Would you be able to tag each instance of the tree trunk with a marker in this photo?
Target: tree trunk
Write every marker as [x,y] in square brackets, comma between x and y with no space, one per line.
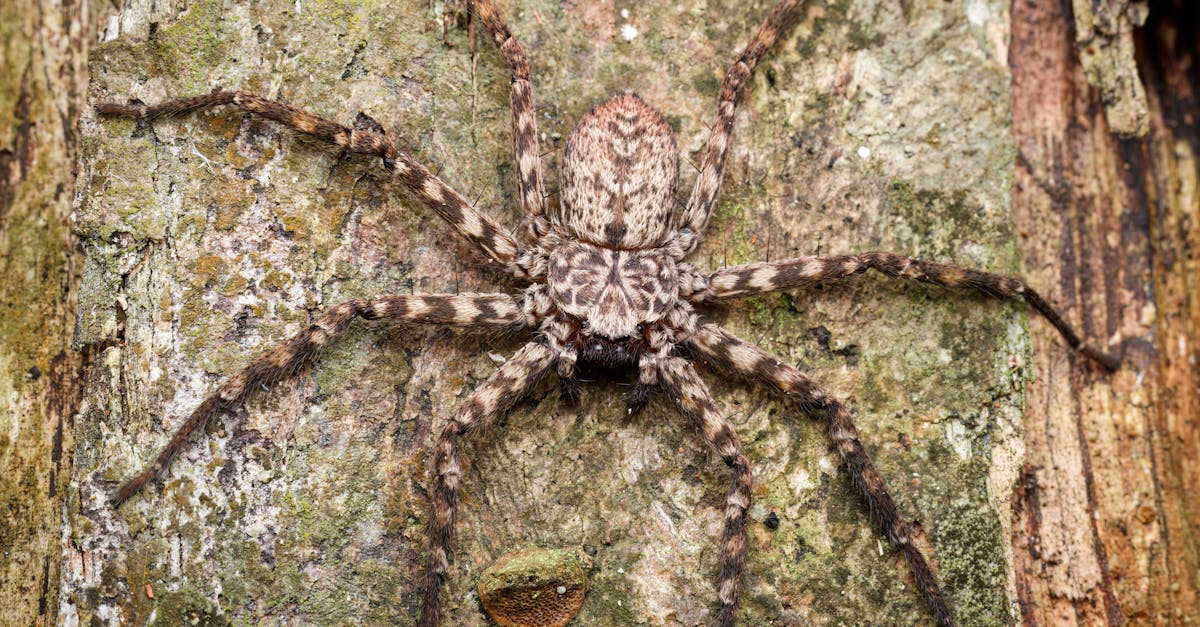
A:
[875,125]
[42,80]
[1106,518]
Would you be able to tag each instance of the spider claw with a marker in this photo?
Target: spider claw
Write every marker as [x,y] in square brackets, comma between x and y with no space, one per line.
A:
[638,399]
[569,390]
[1111,363]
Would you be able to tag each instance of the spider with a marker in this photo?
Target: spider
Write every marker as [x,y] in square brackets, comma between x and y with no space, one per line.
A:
[609,288]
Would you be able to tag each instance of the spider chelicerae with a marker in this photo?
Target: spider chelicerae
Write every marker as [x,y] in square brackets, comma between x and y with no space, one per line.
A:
[608,287]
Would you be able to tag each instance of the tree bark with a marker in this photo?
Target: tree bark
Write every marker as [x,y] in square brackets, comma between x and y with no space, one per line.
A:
[876,125]
[1106,520]
[42,80]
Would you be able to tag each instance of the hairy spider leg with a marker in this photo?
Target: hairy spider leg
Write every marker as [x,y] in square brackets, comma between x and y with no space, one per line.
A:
[687,390]
[758,278]
[499,310]
[722,349]
[505,387]
[517,377]
[524,118]
[737,80]
[363,138]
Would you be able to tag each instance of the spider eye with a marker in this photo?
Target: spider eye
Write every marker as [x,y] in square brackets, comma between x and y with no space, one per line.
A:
[389,164]
[640,328]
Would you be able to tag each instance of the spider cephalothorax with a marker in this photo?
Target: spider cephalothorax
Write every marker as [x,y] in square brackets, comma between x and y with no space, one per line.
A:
[609,270]
[608,288]
[612,292]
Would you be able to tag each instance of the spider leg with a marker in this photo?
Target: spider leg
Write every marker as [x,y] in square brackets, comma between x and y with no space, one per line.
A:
[737,80]
[659,345]
[686,389]
[724,350]
[281,362]
[758,278]
[504,388]
[363,138]
[524,117]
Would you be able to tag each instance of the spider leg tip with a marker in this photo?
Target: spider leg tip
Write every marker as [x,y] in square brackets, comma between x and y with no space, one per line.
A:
[118,498]
[1111,363]
[569,390]
[637,401]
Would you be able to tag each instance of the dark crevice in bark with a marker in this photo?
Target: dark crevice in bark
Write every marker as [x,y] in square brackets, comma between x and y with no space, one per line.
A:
[1089,201]
[1168,57]
[15,162]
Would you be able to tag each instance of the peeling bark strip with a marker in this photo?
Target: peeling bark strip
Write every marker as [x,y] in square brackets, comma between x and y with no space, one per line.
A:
[1106,531]
[1104,36]
[1164,181]
[1042,56]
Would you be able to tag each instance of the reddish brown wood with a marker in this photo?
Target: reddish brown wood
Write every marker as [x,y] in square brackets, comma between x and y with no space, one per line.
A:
[1105,530]
[1166,170]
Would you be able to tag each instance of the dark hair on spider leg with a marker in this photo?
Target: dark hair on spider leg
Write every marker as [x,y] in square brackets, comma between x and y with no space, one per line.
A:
[131,487]
[568,389]
[638,399]
[1111,363]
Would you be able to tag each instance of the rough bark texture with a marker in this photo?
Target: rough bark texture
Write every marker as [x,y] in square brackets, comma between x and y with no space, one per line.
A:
[877,125]
[42,80]
[1167,169]
[1104,39]
[1106,524]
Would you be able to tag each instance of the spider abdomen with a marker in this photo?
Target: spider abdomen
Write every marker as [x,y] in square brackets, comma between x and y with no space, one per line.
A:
[612,291]
[619,174]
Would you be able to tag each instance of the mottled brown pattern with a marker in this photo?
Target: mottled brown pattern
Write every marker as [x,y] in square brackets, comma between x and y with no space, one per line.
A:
[608,287]
[687,390]
[618,176]
[500,310]
[612,290]
[758,278]
[727,353]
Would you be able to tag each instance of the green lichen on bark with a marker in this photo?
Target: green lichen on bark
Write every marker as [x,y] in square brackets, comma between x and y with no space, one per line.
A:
[212,236]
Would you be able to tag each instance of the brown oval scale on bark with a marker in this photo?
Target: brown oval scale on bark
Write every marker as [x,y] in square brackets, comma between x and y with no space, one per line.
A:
[534,587]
